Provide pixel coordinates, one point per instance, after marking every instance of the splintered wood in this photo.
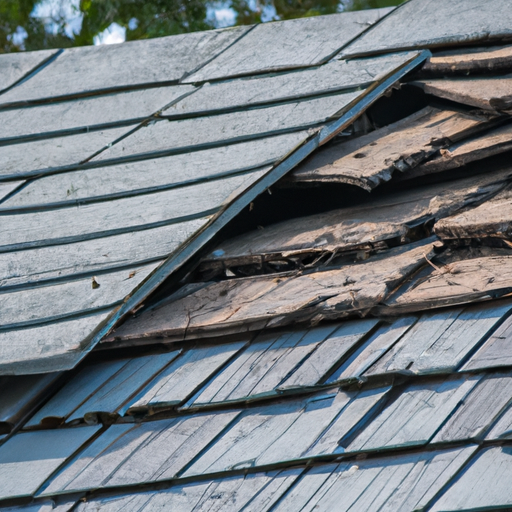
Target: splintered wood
(487, 93)
(252, 303)
(372, 159)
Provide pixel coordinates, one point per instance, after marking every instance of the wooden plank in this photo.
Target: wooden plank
(288, 44)
(258, 491)
(63, 261)
(260, 369)
(28, 459)
(165, 136)
(489, 220)
(40, 304)
(251, 303)
(467, 61)
(89, 113)
(8, 187)
(182, 377)
(491, 143)
(372, 349)
(371, 159)
(15, 66)
(47, 348)
(502, 429)
(118, 216)
(153, 174)
(21, 395)
(274, 433)
(415, 416)
(484, 484)
(435, 23)
(146, 452)
(332, 77)
(486, 93)
(479, 410)
(462, 276)
(389, 219)
(78, 71)
(30, 158)
(387, 484)
(328, 354)
(440, 342)
(495, 352)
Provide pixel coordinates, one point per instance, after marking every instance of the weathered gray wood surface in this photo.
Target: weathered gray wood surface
(462, 276)
(120, 215)
(333, 76)
(28, 459)
(146, 452)
(254, 492)
(496, 351)
(47, 348)
(15, 66)
(27, 158)
(265, 363)
(479, 410)
(491, 219)
(487, 93)
(484, 485)
(288, 44)
(386, 219)
(372, 349)
(503, 427)
(43, 303)
(420, 24)
(87, 113)
(252, 303)
(164, 136)
(468, 61)
(20, 395)
(8, 187)
(183, 377)
(110, 252)
(494, 142)
(99, 68)
(155, 173)
(276, 433)
(415, 416)
(371, 159)
(439, 342)
(399, 483)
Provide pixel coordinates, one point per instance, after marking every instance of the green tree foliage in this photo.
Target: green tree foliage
(23, 27)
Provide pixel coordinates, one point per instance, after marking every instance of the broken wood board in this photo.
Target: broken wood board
(458, 277)
(31, 158)
(75, 223)
(164, 137)
(370, 160)
(436, 23)
(150, 175)
(125, 453)
(17, 65)
(492, 219)
(439, 342)
(39, 304)
(494, 94)
(247, 304)
(94, 69)
(61, 262)
(87, 114)
(332, 77)
(467, 61)
(288, 44)
(378, 224)
(493, 142)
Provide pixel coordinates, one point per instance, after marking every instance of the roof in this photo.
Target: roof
(264, 277)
